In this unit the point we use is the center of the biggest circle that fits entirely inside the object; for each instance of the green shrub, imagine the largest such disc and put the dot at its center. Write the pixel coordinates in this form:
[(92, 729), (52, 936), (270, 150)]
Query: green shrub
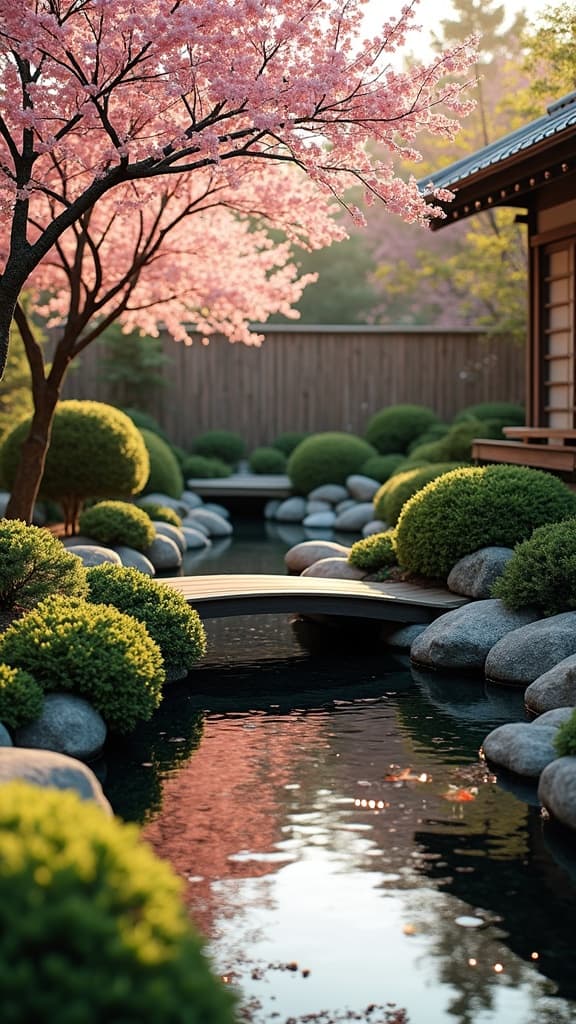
[(434, 433), (91, 650), (144, 421), (456, 445), (92, 923), (220, 444), (289, 440), (170, 621), (393, 495), (34, 564), (542, 571), (21, 698), (267, 460), (118, 522), (471, 508), (565, 738), (161, 513), (95, 452), (199, 467), (327, 458), (165, 475), (432, 451), (374, 552), (392, 429), (381, 467), (511, 414)]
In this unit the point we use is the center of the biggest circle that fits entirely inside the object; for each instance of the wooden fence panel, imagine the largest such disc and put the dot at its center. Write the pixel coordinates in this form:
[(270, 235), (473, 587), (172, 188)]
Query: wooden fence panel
[(316, 378)]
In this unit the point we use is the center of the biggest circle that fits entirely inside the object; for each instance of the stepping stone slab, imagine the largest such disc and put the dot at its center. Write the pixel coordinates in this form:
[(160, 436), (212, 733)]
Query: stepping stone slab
[(67, 724), (332, 493), (554, 689), (474, 574), (462, 638), (529, 652), (524, 748), (362, 488), (334, 569), (557, 790), (57, 771), (307, 552)]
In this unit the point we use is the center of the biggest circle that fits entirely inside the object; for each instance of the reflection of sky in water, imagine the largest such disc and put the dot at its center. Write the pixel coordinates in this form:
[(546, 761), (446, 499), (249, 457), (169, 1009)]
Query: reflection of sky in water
[(300, 841)]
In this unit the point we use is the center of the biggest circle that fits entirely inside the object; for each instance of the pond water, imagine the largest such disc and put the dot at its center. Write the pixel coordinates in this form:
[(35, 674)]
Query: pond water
[(341, 844)]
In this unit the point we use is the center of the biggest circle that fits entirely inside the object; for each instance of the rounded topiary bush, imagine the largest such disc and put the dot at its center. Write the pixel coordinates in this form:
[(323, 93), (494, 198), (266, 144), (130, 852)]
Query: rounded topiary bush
[(92, 923), (435, 432), (542, 571), (161, 513), (381, 467), (565, 738), (176, 628), (393, 495), (220, 444), (374, 552), (289, 440), (392, 429), (200, 467), (94, 651), (327, 458), (267, 460), (511, 414), (144, 421), (165, 476), (21, 698), (95, 452), (118, 522), (474, 507), (34, 564)]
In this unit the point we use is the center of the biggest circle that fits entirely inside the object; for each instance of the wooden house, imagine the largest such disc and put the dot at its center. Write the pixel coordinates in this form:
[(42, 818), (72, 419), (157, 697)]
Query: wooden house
[(534, 170)]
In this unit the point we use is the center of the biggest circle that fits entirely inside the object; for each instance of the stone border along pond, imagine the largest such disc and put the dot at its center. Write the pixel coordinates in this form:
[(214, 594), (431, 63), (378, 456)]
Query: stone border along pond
[(512, 648)]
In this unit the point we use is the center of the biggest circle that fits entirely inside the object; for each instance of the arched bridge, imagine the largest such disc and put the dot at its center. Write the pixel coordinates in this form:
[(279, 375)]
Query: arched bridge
[(221, 596)]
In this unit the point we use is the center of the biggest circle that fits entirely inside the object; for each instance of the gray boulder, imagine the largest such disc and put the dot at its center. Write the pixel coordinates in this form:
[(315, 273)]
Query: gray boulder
[(67, 724), (169, 530), (334, 569), (345, 504), (271, 507), (218, 510), (292, 510), (474, 574), (317, 506), (553, 689), (133, 559), (404, 636), (374, 526), (362, 488), (195, 539), (307, 552), (524, 748), (191, 500), (56, 771), (333, 493), (353, 519), (320, 520), (463, 637), (5, 737), (209, 522), (177, 504), (79, 540), (164, 554), (94, 554), (529, 652), (557, 790)]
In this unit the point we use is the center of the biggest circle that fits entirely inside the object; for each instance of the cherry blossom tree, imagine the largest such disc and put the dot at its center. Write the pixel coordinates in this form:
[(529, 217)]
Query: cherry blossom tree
[(101, 97)]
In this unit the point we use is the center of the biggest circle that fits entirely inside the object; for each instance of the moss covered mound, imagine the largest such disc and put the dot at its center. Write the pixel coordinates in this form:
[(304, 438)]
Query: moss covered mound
[(267, 460), (373, 553), (395, 427), (327, 458), (542, 571), (165, 476), (34, 564), (118, 522), (393, 495), (220, 444)]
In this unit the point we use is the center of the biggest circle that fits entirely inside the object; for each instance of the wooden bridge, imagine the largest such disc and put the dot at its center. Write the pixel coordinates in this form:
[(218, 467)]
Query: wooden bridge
[(221, 596)]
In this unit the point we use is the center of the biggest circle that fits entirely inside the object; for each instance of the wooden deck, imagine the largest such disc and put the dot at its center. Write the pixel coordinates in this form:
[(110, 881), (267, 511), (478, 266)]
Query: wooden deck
[(536, 447), (242, 485), (221, 596)]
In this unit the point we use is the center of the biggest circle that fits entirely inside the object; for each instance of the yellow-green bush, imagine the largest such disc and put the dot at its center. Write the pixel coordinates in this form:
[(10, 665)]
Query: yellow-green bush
[(374, 552), (34, 564), (393, 495), (161, 513), (118, 522), (21, 698), (169, 619), (92, 650), (565, 738), (542, 571), (92, 925), (382, 467), (473, 508)]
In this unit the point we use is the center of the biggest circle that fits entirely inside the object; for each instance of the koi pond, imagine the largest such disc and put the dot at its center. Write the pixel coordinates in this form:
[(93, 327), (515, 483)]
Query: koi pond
[(343, 848)]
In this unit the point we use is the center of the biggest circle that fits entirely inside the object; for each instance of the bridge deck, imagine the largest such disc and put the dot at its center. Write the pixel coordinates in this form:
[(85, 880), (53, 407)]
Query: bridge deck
[(220, 596), (242, 485)]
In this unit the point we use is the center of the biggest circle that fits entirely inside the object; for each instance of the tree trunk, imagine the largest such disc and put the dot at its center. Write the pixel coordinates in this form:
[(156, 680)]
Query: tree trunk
[(33, 455), (8, 299)]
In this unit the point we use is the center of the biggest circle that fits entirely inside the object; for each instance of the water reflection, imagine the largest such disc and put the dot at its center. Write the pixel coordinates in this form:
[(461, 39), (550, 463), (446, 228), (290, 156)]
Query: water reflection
[(339, 838)]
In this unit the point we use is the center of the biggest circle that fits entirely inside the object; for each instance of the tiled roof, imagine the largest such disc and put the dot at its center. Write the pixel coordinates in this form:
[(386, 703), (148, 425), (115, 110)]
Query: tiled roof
[(560, 116)]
